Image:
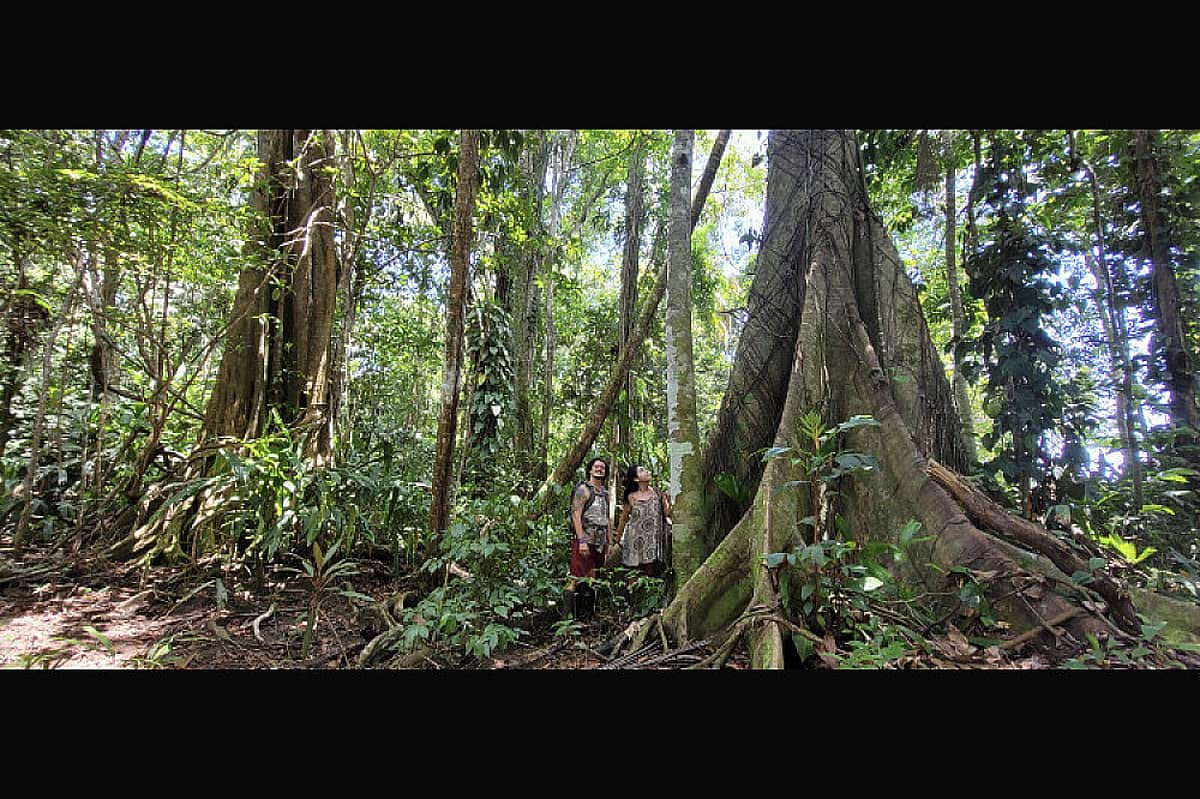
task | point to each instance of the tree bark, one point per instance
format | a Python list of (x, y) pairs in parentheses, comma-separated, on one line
[(278, 346), (460, 247), (845, 362), (749, 414), (1167, 306), (627, 304), (278, 339), (23, 319), (1116, 333), (39, 420), (684, 443), (987, 515), (522, 307), (962, 401)]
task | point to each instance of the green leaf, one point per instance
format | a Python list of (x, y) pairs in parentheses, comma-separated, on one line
[(1152, 629), (1096, 563), (37, 298), (775, 558), (911, 528), (92, 631), (1178, 474), (775, 452), (859, 420)]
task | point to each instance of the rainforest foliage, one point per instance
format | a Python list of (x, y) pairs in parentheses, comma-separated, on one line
[(121, 253)]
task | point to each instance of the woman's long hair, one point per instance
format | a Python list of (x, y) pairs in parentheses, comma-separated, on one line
[(631, 483)]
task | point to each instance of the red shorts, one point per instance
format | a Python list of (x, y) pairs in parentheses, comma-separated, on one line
[(585, 565)]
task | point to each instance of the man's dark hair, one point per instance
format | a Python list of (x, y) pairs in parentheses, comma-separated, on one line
[(587, 472)]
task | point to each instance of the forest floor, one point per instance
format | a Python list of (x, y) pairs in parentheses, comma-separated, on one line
[(59, 611)]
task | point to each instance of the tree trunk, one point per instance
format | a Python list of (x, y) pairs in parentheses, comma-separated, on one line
[(523, 310), (349, 291), (1168, 315), (684, 444), (23, 318), (566, 151), (1116, 333), (278, 340), (748, 418), (627, 304), (861, 330), (281, 360), (39, 420), (962, 401), (460, 247)]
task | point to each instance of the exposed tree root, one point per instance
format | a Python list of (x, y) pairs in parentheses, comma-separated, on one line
[(982, 511), (1048, 625)]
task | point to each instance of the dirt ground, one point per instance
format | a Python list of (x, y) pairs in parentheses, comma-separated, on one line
[(59, 612), (73, 613)]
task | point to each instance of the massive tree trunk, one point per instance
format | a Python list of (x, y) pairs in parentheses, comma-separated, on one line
[(749, 414), (278, 339), (861, 346), (460, 248), (1167, 305), (278, 342)]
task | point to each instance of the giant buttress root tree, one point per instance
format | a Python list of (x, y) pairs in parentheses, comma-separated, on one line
[(277, 343), (835, 326)]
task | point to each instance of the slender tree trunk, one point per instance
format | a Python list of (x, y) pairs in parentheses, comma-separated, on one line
[(962, 400), (460, 248), (523, 310), (551, 339), (1116, 334), (39, 420), (600, 409), (710, 174), (1167, 305), (627, 305), (349, 288), (22, 318), (684, 443)]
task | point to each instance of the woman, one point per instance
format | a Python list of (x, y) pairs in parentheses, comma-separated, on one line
[(642, 530)]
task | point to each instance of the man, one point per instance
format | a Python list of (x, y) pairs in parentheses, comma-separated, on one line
[(591, 535)]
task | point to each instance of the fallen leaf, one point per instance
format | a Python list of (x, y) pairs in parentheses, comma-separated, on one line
[(960, 642)]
